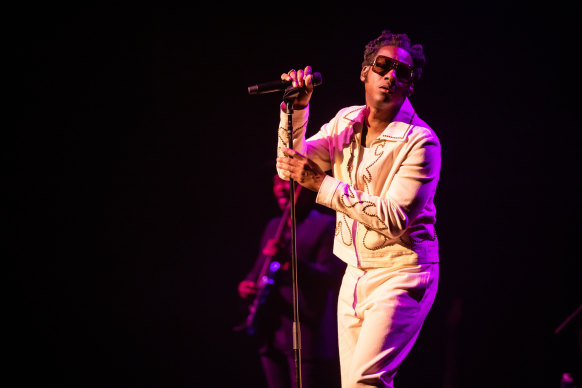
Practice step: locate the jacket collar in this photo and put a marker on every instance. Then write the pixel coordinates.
(396, 130)
(399, 127)
(355, 114)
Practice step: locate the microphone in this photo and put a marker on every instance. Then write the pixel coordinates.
(275, 86)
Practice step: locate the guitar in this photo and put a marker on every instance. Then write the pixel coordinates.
(267, 278)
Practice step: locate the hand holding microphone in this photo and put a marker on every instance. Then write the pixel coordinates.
(303, 79)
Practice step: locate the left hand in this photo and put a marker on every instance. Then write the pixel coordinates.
(247, 288)
(270, 248)
(301, 169)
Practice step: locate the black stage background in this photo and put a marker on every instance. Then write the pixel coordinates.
(140, 171)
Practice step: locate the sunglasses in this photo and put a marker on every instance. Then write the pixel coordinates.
(383, 65)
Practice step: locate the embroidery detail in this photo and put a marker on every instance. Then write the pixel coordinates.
(283, 135)
(340, 231)
(367, 206)
(350, 165)
(368, 209)
(350, 112)
(304, 124)
(367, 176)
(405, 132)
(382, 244)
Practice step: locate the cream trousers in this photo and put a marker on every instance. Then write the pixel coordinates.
(380, 314)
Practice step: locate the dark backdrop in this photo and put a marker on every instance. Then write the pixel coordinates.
(139, 182)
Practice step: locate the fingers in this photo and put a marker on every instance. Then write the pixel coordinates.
(300, 77)
(293, 164)
(247, 288)
(301, 169)
(286, 164)
(308, 77)
(290, 152)
(300, 80)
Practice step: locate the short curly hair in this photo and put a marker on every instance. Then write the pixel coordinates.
(387, 38)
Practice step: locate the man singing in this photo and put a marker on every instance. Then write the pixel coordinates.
(385, 163)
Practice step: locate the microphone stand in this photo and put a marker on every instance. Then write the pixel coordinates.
(289, 97)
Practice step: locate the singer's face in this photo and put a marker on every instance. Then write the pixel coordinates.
(385, 91)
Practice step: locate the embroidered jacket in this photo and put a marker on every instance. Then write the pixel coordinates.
(384, 198)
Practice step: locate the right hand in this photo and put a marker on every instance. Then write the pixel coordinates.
(303, 79)
(247, 288)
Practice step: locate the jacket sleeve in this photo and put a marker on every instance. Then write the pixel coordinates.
(409, 192)
(318, 148)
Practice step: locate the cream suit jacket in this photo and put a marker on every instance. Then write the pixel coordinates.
(384, 201)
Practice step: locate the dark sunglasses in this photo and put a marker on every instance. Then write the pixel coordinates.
(383, 65)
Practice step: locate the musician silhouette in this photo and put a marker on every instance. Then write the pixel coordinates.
(270, 302)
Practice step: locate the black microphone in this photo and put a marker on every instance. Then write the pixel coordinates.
(275, 86)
